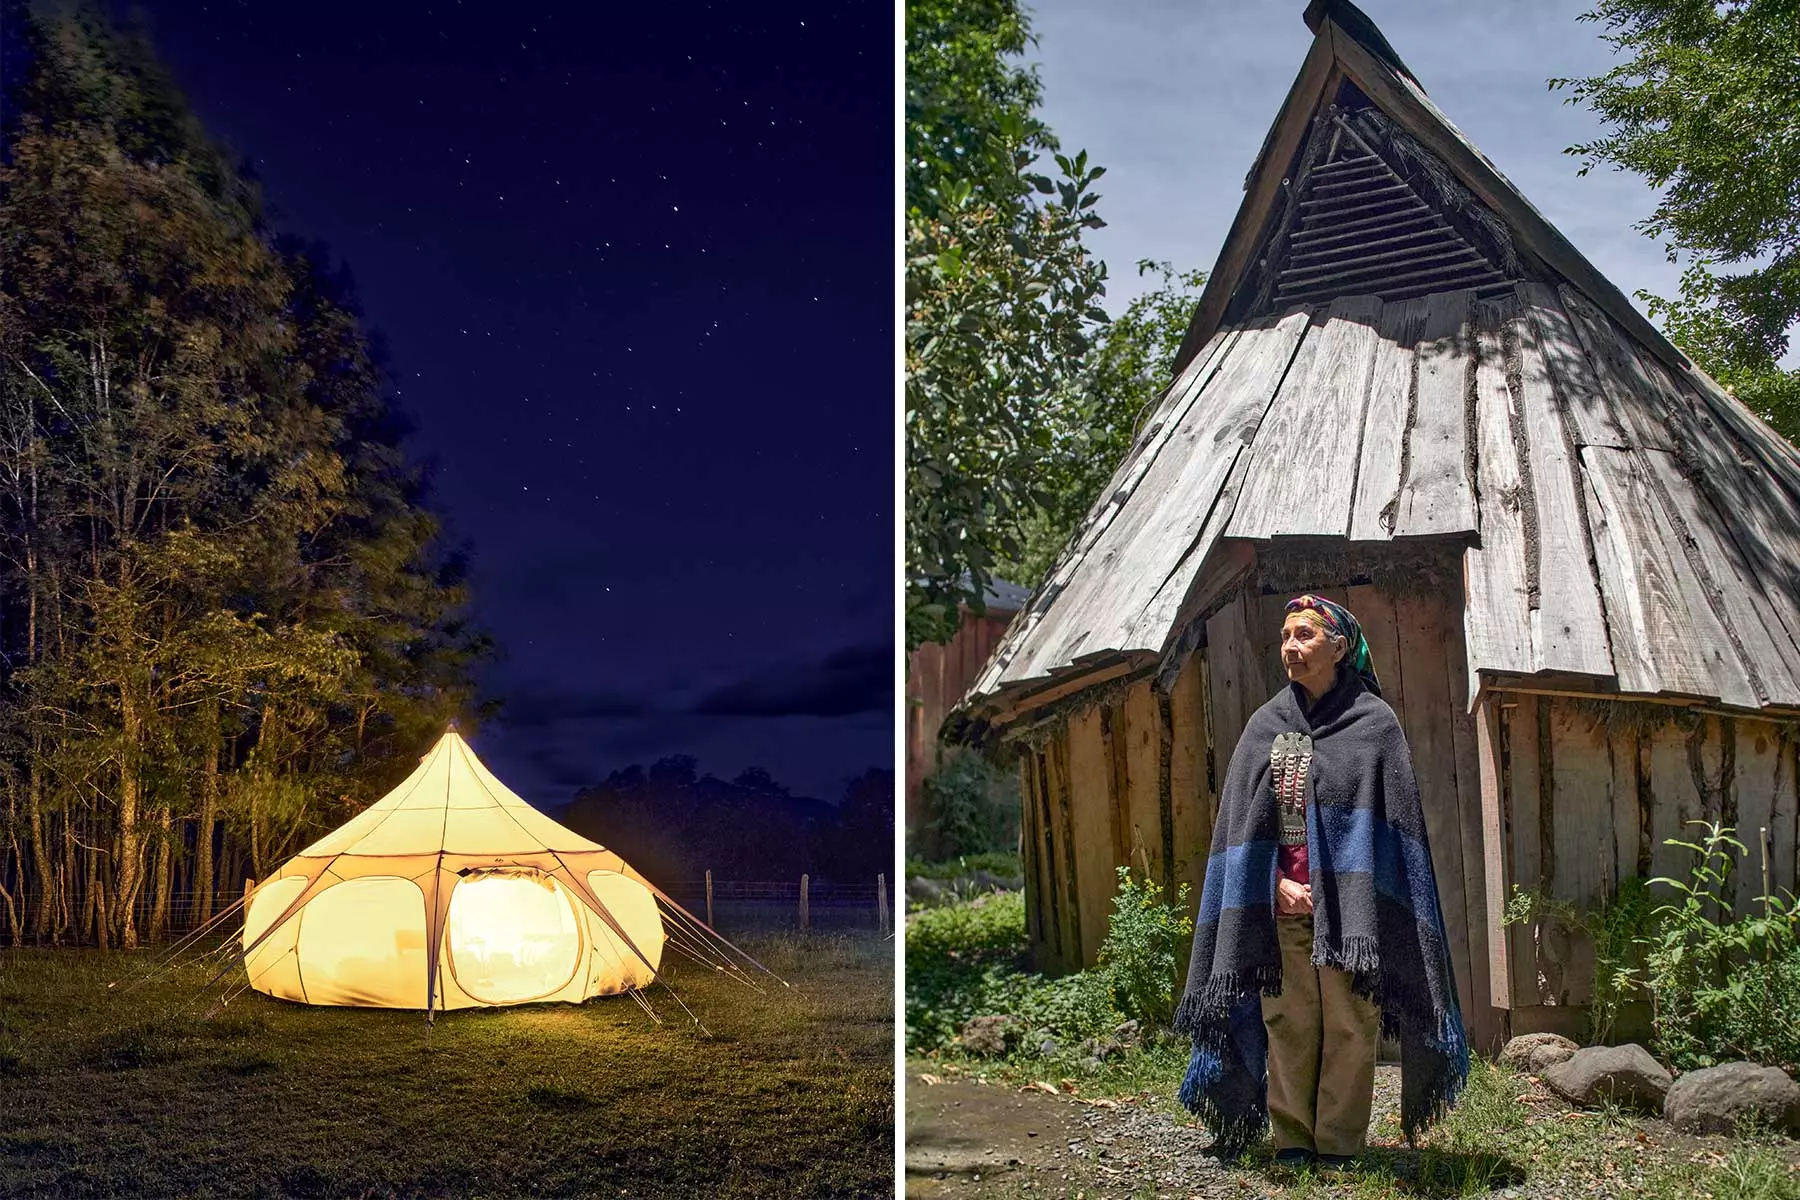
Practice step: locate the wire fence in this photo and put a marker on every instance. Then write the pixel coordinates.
(744, 905)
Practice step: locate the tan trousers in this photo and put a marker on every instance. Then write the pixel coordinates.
(1322, 1043)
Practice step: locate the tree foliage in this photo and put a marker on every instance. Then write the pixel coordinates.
(224, 609)
(1706, 106)
(1001, 300)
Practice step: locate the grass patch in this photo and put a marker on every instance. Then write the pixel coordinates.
(117, 1092)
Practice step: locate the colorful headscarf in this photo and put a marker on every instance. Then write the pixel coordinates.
(1337, 620)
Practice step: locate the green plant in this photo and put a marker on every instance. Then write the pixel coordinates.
(1143, 938)
(1003, 864)
(1618, 931)
(1723, 989)
(973, 805)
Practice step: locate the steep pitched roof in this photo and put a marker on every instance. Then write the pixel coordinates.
(1465, 374)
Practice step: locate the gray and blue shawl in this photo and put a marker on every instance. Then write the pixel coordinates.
(1375, 912)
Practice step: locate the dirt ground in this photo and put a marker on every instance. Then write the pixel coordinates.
(970, 1139)
(973, 1140)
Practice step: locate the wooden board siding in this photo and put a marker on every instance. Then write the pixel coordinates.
(1114, 579)
(937, 676)
(1568, 625)
(1143, 736)
(1091, 791)
(1234, 678)
(1498, 617)
(1385, 422)
(1294, 485)
(1191, 795)
(1436, 495)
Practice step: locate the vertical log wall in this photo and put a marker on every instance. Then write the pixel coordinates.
(1590, 790)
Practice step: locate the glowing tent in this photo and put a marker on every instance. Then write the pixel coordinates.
(451, 892)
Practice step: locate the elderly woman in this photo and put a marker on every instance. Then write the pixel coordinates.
(1319, 924)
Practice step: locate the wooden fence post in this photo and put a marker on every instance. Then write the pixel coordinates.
(709, 916)
(881, 911)
(803, 921)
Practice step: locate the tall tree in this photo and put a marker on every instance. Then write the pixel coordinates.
(1706, 106)
(1001, 300)
(223, 605)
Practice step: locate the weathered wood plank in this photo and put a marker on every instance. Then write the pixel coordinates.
(1185, 590)
(1091, 805)
(1234, 678)
(1496, 879)
(1621, 850)
(1031, 854)
(1131, 560)
(1519, 715)
(1143, 778)
(1422, 650)
(1436, 494)
(1636, 403)
(1769, 660)
(1054, 951)
(1176, 400)
(1297, 483)
(1472, 825)
(1578, 389)
(1188, 785)
(1497, 614)
(1068, 867)
(1374, 610)
(1754, 525)
(1754, 776)
(1391, 380)
(1652, 597)
(1784, 820)
(1584, 805)
(1568, 623)
(1676, 801)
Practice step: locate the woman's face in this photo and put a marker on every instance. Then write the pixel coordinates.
(1309, 653)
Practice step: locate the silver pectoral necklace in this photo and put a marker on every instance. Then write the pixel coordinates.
(1290, 757)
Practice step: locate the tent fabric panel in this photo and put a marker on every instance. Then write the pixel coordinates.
(551, 834)
(362, 942)
(513, 938)
(405, 831)
(491, 831)
(612, 966)
(272, 967)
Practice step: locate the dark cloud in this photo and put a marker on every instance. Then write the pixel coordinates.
(540, 708)
(855, 679)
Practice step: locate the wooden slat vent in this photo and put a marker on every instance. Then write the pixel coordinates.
(1356, 226)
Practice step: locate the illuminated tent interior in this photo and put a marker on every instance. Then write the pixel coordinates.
(452, 892)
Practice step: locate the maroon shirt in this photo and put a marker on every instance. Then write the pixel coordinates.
(1291, 862)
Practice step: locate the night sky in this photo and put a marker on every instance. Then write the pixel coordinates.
(633, 265)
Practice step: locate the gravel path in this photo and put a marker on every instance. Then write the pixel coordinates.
(971, 1139)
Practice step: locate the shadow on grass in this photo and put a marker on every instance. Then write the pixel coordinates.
(1427, 1171)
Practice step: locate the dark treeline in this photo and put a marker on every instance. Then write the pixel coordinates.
(226, 618)
(674, 824)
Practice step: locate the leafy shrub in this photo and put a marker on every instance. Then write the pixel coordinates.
(1723, 990)
(1003, 863)
(1618, 931)
(1143, 938)
(962, 961)
(973, 805)
(965, 960)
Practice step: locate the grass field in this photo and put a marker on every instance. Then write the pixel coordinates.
(111, 1093)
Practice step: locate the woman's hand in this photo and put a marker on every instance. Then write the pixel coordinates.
(1292, 899)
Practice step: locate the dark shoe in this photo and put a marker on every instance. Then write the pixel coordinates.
(1294, 1158)
(1337, 1162)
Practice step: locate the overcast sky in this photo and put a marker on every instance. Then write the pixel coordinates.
(1174, 97)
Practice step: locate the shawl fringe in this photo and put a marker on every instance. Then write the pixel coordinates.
(1203, 1012)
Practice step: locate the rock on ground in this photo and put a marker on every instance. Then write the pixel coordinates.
(985, 1035)
(1715, 1099)
(1624, 1074)
(1535, 1053)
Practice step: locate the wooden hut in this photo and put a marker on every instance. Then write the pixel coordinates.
(1575, 555)
(937, 676)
